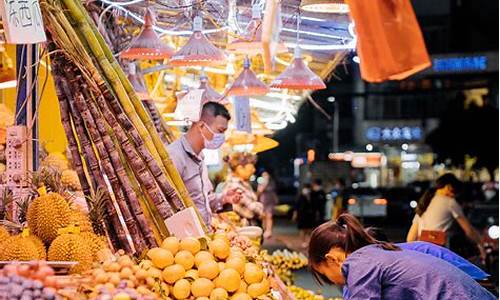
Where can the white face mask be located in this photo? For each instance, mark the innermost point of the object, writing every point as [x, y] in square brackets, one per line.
[217, 140]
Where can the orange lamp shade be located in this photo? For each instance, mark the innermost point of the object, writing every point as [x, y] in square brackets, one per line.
[198, 51]
[147, 45]
[247, 83]
[298, 76]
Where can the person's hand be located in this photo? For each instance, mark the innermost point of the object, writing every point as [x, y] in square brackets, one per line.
[233, 196]
[294, 216]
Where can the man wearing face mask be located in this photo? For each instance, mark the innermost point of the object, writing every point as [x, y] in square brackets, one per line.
[186, 153]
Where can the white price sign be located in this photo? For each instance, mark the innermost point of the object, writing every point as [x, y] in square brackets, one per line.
[22, 21]
[242, 113]
[189, 107]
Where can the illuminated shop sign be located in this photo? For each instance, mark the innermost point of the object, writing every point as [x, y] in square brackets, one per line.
[460, 64]
[386, 134]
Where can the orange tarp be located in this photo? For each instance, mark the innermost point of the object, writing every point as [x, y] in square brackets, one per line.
[390, 44]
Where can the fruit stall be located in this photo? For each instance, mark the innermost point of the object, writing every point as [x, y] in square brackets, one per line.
[91, 204]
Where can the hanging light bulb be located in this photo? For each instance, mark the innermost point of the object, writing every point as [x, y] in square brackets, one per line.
[325, 6]
[251, 41]
[147, 45]
[247, 83]
[298, 76]
[198, 51]
[137, 82]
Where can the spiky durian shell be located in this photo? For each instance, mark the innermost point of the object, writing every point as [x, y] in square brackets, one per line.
[47, 214]
[69, 178]
[81, 219]
[4, 234]
[40, 247]
[18, 248]
[71, 247]
[96, 242]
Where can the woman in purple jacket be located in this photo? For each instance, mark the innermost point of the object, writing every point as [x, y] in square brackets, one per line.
[343, 253]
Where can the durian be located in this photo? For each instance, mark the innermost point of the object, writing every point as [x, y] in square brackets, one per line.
[71, 247]
[96, 242]
[40, 247]
[70, 180]
[4, 234]
[47, 214]
[19, 248]
[81, 219]
[56, 160]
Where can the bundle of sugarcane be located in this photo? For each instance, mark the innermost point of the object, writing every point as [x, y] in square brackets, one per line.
[112, 138]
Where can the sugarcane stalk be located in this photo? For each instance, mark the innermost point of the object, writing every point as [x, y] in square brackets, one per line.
[106, 151]
[111, 225]
[122, 175]
[76, 155]
[149, 209]
[93, 163]
[138, 165]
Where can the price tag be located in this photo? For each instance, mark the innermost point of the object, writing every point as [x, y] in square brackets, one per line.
[189, 107]
[242, 113]
[22, 21]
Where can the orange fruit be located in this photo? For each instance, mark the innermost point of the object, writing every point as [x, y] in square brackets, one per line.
[185, 259]
[219, 294]
[201, 257]
[241, 296]
[243, 287]
[258, 289]
[222, 266]
[192, 274]
[190, 244]
[171, 244]
[220, 248]
[173, 273]
[253, 273]
[202, 287]
[208, 269]
[229, 280]
[236, 263]
[181, 289]
[160, 257]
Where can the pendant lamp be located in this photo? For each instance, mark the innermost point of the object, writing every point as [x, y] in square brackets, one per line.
[298, 76]
[210, 95]
[251, 41]
[137, 83]
[198, 51]
[147, 45]
[247, 83]
[325, 6]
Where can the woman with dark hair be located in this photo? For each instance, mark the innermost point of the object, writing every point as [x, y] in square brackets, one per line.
[266, 192]
[343, 253]
[437, 211]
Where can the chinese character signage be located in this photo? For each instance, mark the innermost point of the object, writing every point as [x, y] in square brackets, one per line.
[189, 106]
[22, 21]
[387, 134]
[460, 64]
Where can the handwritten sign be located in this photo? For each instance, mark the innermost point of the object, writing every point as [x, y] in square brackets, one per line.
[22, 21]
[242, 113]
[189, 107]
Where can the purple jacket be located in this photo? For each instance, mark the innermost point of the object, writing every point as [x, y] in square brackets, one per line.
[373, 273]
